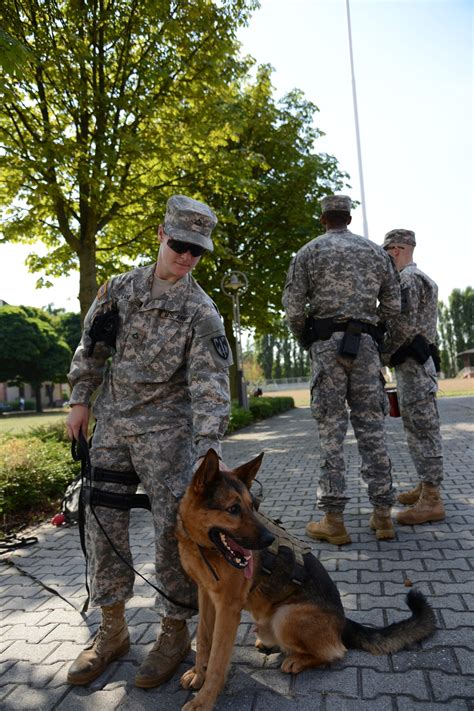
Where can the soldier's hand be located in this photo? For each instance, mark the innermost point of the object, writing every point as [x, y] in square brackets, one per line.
[77, 421]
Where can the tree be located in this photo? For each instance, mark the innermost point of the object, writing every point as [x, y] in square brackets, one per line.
[456, 327]
[121, 104]
[274, 209]
[30, 349]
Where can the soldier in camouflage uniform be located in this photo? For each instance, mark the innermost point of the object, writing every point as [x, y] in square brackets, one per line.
[338, 279]
[163, 402]
[408, 346]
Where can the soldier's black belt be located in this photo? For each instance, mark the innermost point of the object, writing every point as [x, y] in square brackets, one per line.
[321, 329]
[419, 349]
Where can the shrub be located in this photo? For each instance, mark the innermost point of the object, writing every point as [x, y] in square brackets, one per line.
[33, 473]
[55, 431]
[239, 418]
[259, 409]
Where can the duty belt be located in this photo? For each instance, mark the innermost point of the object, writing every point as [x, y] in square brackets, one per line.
[321, 329]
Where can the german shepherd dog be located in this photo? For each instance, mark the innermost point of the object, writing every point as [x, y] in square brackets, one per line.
[222, 541]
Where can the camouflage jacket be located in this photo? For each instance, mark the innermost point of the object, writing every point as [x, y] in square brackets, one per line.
[341, 276]
[170, 361]
[419, 310]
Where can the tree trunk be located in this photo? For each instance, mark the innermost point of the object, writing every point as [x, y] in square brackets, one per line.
[36, 387]
[88, 277]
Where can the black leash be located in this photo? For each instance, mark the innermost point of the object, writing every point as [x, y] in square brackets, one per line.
[12, 541]
[80, 452]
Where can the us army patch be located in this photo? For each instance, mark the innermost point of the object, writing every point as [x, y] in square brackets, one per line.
[221, 346]
[102, 293]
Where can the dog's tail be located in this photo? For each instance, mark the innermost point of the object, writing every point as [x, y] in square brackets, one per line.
[386, 640]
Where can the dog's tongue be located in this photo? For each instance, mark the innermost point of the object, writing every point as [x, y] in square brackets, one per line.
[248, 570]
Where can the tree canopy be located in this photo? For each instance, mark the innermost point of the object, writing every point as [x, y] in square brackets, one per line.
[456, 327]
[119, 106]
[31, 351]
[123, 103]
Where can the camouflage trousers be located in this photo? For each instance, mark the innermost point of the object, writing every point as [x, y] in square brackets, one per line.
[336, 383]
[416, 386]
[163, 462]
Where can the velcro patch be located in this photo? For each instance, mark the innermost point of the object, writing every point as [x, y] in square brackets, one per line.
[221, 346]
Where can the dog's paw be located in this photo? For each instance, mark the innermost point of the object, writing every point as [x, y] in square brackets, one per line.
[197, 705]
[265, 648]
[192, 679]
[292, 664]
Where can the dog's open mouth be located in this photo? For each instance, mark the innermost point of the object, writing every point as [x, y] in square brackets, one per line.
[233, 552]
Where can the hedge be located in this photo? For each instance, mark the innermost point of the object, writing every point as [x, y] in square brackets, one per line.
[36, 467]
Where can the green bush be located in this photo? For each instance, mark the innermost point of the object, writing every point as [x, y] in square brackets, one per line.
[259, 409]
[33, 473]
[55, 431]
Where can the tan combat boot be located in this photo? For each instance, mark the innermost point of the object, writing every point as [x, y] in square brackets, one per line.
[410, 497]
[429, 507]
[381, 523]
[331, 528]
[171, 647]
[111, 642]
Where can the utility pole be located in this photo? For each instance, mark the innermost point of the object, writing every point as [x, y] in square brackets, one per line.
[356, 121]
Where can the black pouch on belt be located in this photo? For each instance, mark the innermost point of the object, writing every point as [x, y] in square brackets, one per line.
[350, 343]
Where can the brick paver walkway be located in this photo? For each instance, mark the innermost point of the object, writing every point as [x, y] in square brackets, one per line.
[41, 589]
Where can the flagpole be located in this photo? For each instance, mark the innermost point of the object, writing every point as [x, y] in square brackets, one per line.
[356, 121]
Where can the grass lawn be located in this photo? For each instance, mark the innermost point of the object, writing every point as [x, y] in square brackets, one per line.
[451, 387]
[13, 425]
[21, 423]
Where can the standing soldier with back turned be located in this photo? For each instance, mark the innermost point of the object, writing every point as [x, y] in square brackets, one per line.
[331, 294]
[409, 346]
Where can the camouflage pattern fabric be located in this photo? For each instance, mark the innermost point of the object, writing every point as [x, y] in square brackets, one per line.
[359, 382]
[417, 383]
[170, 364]
[189, 220]
[163, 463]
[345, 276]
[163, 400]
[342, 276]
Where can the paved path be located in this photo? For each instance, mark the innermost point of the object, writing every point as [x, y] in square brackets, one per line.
[41, 589]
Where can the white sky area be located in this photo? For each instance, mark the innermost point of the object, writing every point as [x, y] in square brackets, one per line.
[414, 77]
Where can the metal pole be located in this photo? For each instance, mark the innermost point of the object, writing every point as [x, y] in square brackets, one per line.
[356, 120]
[243, 400]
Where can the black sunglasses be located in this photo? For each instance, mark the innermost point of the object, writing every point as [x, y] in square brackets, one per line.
[181, 247]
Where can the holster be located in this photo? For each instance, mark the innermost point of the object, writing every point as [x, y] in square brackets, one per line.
[349, 346]
[418, 348]
[104, 329]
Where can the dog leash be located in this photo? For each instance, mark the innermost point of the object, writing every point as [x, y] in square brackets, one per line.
[80, 452]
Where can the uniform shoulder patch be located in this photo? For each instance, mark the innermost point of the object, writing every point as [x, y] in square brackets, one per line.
[221, 346]
[103, 290]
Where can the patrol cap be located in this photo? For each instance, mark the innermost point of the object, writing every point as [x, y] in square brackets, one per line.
[341, 203]
[399, 236]
[189, 220]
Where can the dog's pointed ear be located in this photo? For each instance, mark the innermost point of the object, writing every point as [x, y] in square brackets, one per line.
[207, 471]
[247, 472]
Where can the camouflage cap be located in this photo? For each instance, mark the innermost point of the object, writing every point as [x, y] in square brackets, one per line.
[189, 220]
[399, 236]
[341, 203]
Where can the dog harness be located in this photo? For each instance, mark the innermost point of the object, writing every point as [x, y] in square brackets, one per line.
[284, 544]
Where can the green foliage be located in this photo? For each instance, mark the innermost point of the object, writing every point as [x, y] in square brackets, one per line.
[30, 349]
[122, 104]
[33, 472]
[280, 356]
[125, 103]
[456, 328]
[259, 409]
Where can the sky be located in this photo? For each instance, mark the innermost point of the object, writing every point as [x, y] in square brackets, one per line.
[414, 64]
